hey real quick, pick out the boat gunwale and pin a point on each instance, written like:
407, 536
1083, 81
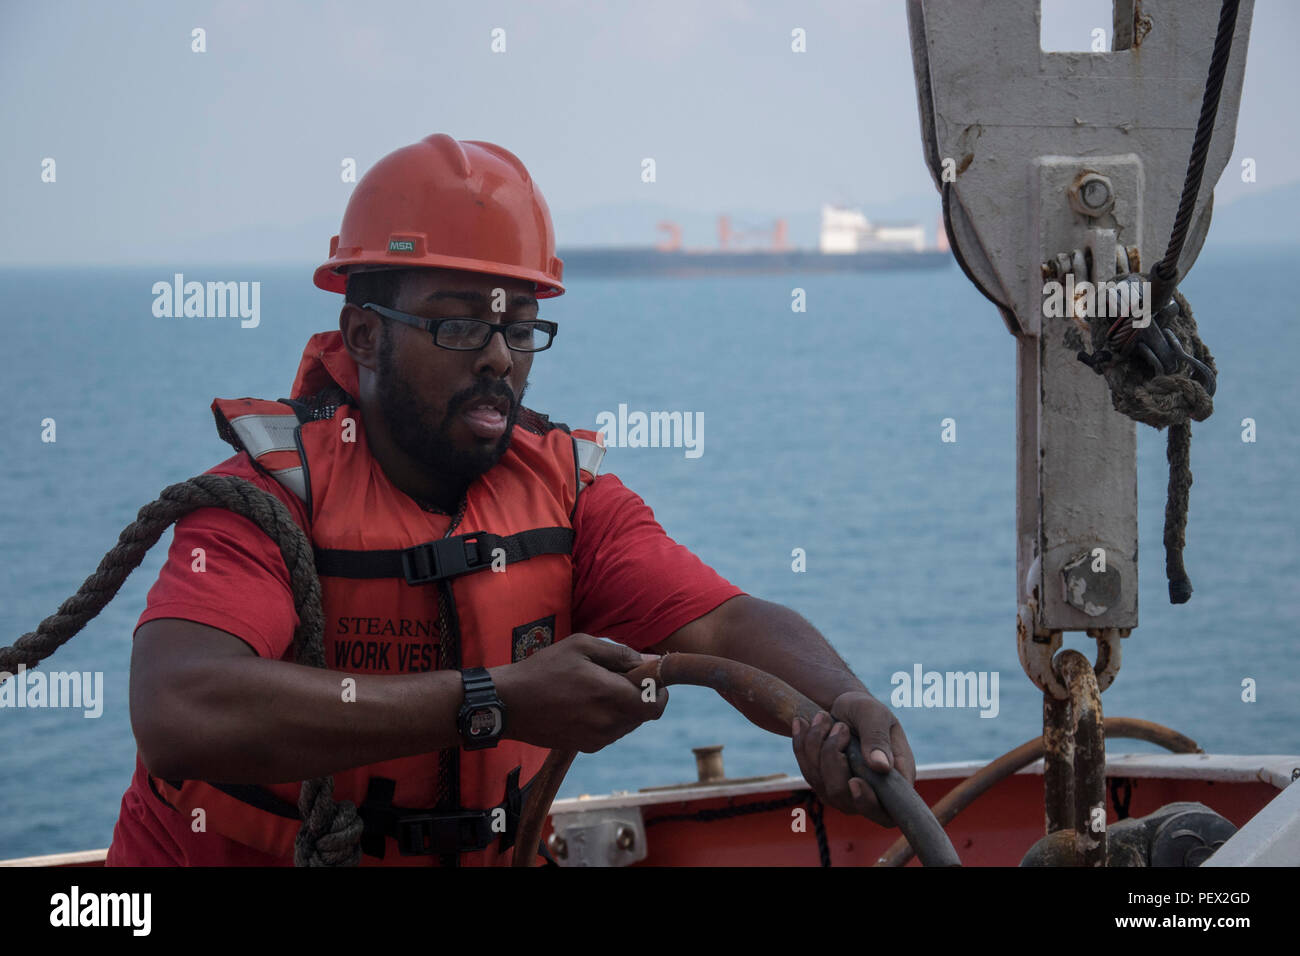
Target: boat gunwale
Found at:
1274, 769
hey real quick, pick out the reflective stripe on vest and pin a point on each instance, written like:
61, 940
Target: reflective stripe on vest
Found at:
590, 453
268, 431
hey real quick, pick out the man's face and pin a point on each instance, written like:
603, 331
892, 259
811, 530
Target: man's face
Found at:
453, 411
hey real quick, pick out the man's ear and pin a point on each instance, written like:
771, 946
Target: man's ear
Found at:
362, 330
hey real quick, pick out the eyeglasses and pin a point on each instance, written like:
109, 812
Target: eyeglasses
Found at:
463, 334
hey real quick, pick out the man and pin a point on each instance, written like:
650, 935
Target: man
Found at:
467, 552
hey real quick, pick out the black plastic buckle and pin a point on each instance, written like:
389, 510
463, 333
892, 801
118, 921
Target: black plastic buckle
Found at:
434, 560
424, 834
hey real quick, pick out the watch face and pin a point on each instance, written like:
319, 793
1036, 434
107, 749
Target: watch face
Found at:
484, 722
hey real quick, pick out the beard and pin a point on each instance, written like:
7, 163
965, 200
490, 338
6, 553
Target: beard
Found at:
429, 442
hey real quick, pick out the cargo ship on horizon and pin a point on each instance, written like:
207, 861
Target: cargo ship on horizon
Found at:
849, 242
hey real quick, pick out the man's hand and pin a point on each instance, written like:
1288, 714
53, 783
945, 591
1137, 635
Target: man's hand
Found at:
573, 695
819, 748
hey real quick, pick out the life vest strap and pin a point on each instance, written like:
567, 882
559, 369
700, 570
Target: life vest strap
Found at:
429, 832
417, 832
444, 558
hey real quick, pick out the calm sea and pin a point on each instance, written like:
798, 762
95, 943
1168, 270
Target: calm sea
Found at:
822, 432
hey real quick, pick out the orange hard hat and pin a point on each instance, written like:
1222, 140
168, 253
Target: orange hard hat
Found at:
449, 204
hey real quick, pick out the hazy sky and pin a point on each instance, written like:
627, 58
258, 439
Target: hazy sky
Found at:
159, 148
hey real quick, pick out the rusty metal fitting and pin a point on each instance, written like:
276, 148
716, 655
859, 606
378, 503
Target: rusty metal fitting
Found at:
1108, 653
1079, 727
1036, 652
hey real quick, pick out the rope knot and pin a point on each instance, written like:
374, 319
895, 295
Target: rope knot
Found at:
1163, 400
1174, 394
331, 832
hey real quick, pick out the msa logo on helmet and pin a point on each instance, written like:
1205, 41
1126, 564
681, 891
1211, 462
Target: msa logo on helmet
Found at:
401, 245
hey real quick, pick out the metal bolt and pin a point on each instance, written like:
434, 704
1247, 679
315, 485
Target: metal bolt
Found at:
559, 849
1091, 195
625, 837
1090, 590
1095, 194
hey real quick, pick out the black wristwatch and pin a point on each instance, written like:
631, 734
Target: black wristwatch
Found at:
482, 716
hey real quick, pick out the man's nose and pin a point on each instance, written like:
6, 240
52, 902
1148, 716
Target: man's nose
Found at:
495, 358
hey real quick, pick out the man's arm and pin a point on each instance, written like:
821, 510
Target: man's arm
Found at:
205, 706
775, 639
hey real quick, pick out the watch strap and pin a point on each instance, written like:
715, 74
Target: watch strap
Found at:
478, 685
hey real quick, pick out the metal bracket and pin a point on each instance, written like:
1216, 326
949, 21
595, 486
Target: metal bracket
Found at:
614, 837
991, 100
1039, 155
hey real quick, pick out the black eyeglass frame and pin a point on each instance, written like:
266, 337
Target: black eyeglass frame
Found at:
431, 326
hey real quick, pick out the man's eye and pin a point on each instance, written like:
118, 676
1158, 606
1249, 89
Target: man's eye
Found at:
522, 331
461, 327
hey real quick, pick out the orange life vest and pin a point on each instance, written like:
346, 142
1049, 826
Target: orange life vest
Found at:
383, 562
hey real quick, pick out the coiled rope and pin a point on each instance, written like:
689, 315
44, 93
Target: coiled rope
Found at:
331, 832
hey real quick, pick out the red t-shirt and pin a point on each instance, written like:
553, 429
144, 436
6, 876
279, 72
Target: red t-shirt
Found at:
631, 582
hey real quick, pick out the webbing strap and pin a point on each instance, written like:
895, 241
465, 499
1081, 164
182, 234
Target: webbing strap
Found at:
445, 557
429, 832
418, 832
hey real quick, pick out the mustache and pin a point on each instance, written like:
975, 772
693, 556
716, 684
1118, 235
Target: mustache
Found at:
480, 391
